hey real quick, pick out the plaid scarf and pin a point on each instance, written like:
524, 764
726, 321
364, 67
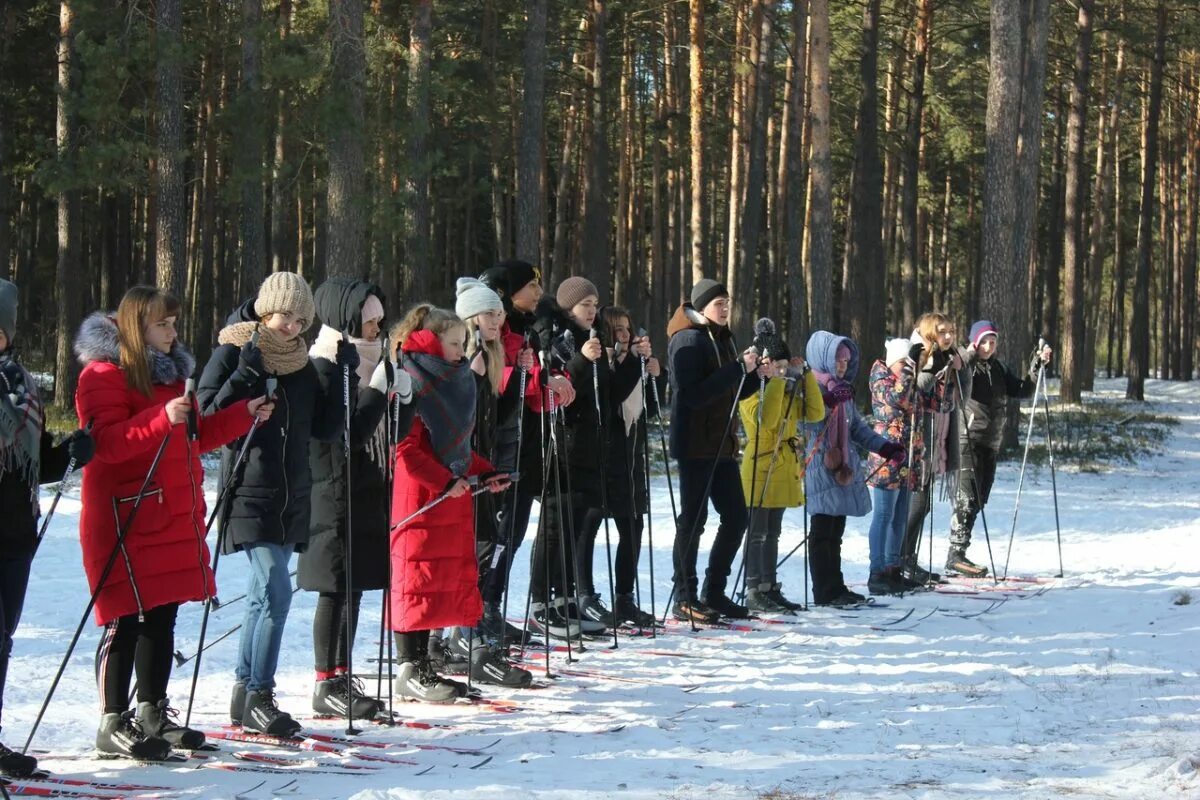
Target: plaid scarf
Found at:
20, 427
445, 398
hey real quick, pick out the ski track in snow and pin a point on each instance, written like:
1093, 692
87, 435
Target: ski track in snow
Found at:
1088, 689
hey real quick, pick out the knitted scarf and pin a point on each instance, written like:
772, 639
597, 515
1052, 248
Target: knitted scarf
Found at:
633, 405
20, 428
445, 398
281, 356
837, 431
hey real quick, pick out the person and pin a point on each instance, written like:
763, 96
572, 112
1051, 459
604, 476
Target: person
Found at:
354, 309
771, 475
28, 457
898, 417
434, 582
937, 390
269, 503
989, 385
705, 372
833, 481
131, 390
481, 649
626, 407
568, 320
519, 447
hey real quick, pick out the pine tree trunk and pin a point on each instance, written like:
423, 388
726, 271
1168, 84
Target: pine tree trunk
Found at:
596, 217
1187, 362
912, 150
171, 222
1139, 336
820, 261
531, 202
419, 255
284, 223
67, 276
249, 143
698, 227
1076, 189
346, 197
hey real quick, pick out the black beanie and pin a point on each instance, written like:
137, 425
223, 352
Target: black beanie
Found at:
705, 291
509, 277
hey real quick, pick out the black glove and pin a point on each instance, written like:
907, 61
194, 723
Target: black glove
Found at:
347, 355
892, 451
250, 361
12, 378
914, 352
81, 447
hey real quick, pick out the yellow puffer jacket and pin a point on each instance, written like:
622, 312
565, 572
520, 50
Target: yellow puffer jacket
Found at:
785, 489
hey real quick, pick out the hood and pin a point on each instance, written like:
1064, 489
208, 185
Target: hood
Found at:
426, 342
243, 313
821, 353
551, 321
98, 340
339, 302
686, 317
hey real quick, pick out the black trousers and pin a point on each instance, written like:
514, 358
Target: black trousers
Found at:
330, 626
629, 548
825, 557
129, 646
14, 580
727, 498
974, 488
411, 645
509, 518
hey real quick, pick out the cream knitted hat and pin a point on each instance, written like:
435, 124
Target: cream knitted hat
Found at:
285, 291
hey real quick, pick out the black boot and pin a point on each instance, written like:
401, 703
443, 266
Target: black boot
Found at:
16, 765
488, 666
690, 609
628, 613
119, 736
332, 696
593, 609
262, 714
761, 600
957, 563
158, 719
916, 574
714, 597
237, 703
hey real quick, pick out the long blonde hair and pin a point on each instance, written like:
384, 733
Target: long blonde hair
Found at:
141, 306
422, 317
927, 328
493, 354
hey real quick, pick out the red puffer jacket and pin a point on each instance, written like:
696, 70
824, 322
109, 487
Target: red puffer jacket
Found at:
434, 575
165, 552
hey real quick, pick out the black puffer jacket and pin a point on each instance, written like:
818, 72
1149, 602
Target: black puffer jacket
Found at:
988, 386
495, 420
18, 500
321, 568
625, 454
518, 324
270, 499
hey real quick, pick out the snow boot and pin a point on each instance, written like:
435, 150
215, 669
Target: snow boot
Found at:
714, 597
693, 610
594, 610
16, 765
590, 627
494, 626
760, 601
417, 681
159, 719
957, 563
332, 696
627, 612
262, 714
776, 594
120, 737
489, 667
237, 703
547, 621
889, 581
915, 573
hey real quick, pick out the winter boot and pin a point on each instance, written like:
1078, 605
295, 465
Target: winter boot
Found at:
159, 719
494, 625
119, 736
16, 765
918, 575
262, 714
416, 681
489, 667
594, 610
760, 601
714, 597
844, 600
957, 563
776, 594
889, 581
332, 696
627, 612
692, 610
437, 649
548, 621
568, 610
237, 703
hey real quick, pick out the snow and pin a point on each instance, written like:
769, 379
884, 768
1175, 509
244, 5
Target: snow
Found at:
1085, 686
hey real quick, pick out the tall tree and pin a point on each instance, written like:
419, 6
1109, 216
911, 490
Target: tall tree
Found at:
68, 279
793, 202
1139, 334
346, 237
696, 118
862, 300
531, 200
912, 164
1076, 182
249, 146
820, 232
597, 219
171, 220
419, 257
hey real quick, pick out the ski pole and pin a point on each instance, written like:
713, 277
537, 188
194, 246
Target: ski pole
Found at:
108, 567
348, 578
1050, 449
57, 496
1037, 387
442, 497
603, 431
504, 560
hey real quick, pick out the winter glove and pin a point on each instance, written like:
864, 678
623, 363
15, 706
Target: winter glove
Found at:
80, 447
12, 378
402, 386
347, 355
892, 451
914, 352
842, 393
250, 361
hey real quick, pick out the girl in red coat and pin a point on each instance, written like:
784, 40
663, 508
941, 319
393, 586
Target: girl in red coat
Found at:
132, 391
434, 582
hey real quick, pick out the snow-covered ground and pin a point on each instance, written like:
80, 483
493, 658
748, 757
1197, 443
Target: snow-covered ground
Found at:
1085, 686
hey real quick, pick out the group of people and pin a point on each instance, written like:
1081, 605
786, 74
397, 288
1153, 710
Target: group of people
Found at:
407, 459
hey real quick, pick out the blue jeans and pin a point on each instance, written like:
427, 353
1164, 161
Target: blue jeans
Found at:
887, 526
268, 599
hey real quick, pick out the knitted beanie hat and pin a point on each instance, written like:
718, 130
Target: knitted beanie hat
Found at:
574, 290
896, 349
372, 308
474, 297
285, 291
982, 328
705, 291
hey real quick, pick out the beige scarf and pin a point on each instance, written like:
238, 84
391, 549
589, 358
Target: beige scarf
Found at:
281, 356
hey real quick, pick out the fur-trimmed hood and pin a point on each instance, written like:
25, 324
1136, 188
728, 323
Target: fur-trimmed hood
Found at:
98, 340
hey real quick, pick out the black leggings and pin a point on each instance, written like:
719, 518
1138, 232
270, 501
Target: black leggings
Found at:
411, 645
629, 547
329, 630
825, 557
128, 646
